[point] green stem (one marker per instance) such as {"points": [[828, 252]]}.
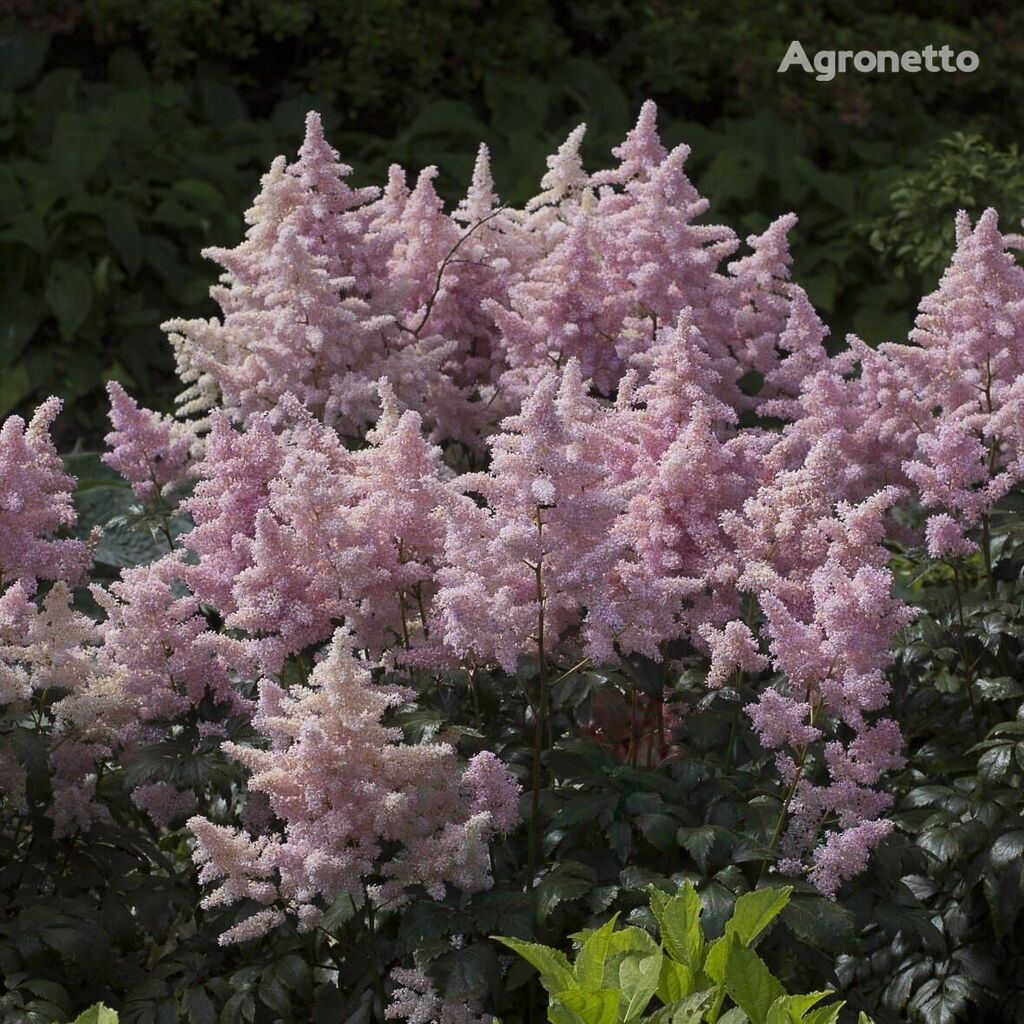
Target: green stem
{"points": [[986, 550], [378, 981], [790, 793], [968, 668], [540, 718]]}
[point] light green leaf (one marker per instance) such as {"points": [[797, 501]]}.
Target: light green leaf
{"points": [[632, 940], [779, 1012], [749, 983], [97, 1014], [802, 1003], [679, 920], [555, 972], [589, 967], [686, 1011], [824, 1014], [754, 911], [734, 1016], [638, 980], [675, 983], [600, 1007]]}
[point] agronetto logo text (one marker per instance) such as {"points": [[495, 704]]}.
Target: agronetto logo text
{"points": [[829, 63]]}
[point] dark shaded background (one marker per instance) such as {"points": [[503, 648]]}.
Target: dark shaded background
{"points": [[134, 133]]}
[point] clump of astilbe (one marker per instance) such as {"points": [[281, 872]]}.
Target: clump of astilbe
{"points": [[598, 530], [417, 1001], [324, 533], [965, 368], [942, 413], [534, 562], [566, 307], [361, 812], [830, 628], [49, 650], [35, 504], [763, 287], [233, 485], [156, 632], [685, 472], [147, 449], [325, 295], [625, 257]]}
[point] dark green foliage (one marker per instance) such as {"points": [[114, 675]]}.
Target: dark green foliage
{"points": [[944, 905], [963, 172]]}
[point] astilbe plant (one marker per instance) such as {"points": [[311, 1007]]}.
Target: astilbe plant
{"points": [[498, 445], [579, 538], [345, 786]]}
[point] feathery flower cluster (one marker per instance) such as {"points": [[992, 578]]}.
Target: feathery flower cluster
{"points": [[295, 532], [147, 449], [599, 527], [35, 503], [417, 1001], [966, 371], [345, 788]]}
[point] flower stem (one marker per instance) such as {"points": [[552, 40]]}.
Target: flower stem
{"points": [[968, 668], [540, 717], [371, 930]]}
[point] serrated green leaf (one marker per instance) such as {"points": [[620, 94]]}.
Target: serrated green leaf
{"points": [[824, 1014], [555, 971], [638, 981], [632, 940], [734, 1016], [687, 1011], [590, 961], [599, 1007], [750, 984], [755, 911], [679, 920], [675, 983]]}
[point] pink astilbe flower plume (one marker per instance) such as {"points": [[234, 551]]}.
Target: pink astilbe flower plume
{"points": [[544, 536], [966, 368], [234, 485], [417, 1001], [335, 535], [565, 308], [147, 449], [156, 632], [830, 630], [639, 154], [345, 787], [35, 504]]}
